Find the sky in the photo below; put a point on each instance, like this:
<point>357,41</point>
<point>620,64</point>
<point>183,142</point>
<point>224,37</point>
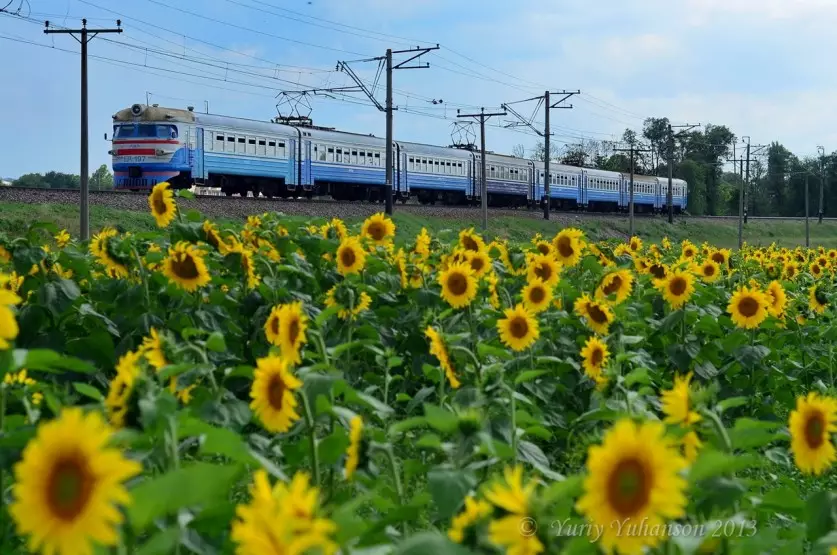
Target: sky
<point>761,67</point>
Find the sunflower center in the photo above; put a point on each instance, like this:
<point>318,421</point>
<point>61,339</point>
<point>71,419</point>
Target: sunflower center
<point>543,248</point>
<point>614,285</point>
<point>748,307</point>
<point>628,487</point>
<point>519,327</point>
<point>348,257</point>
<point>276,392</point>
<point>377,231</point>
<point>565,247</point>
<point>634,246</point>
<point>814,428</point>
<point>677,286</point>
<point>469,243</point>
<point>185,267</point>
<point>69,487</point>
<point>274,325</point>
<point>791,271</point>
<point>596,357</point>
<point>820,297</point>
<point>657,270</point>
<point>477,263</point>
<point>458,284</point>
<point>293,330</point>
<point>544,271</point>
<point>688,253</point>
<point>159,204</point>
<point>596,314</point>
<point>709,270</point>
<point>537,295</point>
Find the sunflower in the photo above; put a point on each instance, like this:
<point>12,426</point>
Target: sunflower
<point>817,301</point>
<point>470,240</point>
<point>62,238</point>
<point>493,295</point>
<point>474,511</point>
<point>567,246</point>
<point>480,262</point>
<point>777,299</point>
<point>68,484</point>
<point>616,286</point>
<point>102,249</point>
<point>519,329</point>
<point>597,315</point>
<point>677,288</point>
<point>5,255</point>
<point>676,403</point>
<point>687,250</point>
<point>8,324</point>
<point>658,270</point>
<point>633,475</point>
<point>292,323</point>
<point>350,256</point>
<point>690,445</point>
<point>344,313</point>
<point>811,426</point>
<point>247,262</point>
<point>439,350</point>
<point>595,356</point>
<point>815,269</point>
<point>635,244</point>
<point>282,520</point>
<point>459,287</point>
<point>186,267</point>
<point>748,307</point>
<point>791,270</point>
<point>271,325</point>
<point>152,349</point>
<point>213,237</point>
<point>353,451</point>
<point>161,202</point>
<point>11,282</point>
<point>378,228</point>
<point>272,392</point>
<point>545,268</point>
<point>545,247</point>
<point>537,296</point>
<point>422,247</point>
<point>709,271</point>
<point>122,386</point>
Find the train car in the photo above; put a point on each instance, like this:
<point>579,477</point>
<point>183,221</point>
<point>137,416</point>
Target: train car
<point>433,173</point>
<point>564,186</point>
<point>600,190</point>
<point>679,195</point>
<point>646,193</point>
<point>346,166</point>
<point>508,179</point>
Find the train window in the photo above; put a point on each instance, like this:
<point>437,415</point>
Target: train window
<point>241,140</point>
<point>231,139</point>
<point>331,155</point>
<point>261,142</point>
<point>353,159</point>
<point>339,157</point>
<point>261,150</point>
<point>322,153</point>
<point>273,143</point>
<point>252,141</point>
<point>219,137</point>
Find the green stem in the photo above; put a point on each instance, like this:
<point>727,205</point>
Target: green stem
<point>2,472</point>
<point>175,453</point>
<point>396,476</point>
<point>513,423</point>
<point>719,427</point>
<point>143,276</point>
<point>312,437</point>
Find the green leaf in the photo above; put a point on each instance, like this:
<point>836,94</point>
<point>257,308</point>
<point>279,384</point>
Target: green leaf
<point>748,433</point>
<point>731,403</point>
<point>407,424</point>
<point>528,376</point>
<point>425,543</point>
<point>783,500</point>
<point>714,463</point>
<point>184,193</point>
<point>535,456</point>
<point>631,339</point>
<point>50,361</point>
<point>440,419</point>
<point>88,391</point>
<point>820,514</point>
<point>215,342</point>
<point>333,446</point>
<point>429,441</point>
<point>217,441</point>
<point>570,487</point>
<point>161,543</point>
<point>485,350</point>
<point>449,488</point>
<point>195,485</point>
<point>706,370</point>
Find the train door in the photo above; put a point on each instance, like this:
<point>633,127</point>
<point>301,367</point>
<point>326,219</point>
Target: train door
<point>290,174</point>
<point>402,175</point>
<point>197,161</point>
<point>582,189</point>
<point>305,165</point>
<point>477,176</point>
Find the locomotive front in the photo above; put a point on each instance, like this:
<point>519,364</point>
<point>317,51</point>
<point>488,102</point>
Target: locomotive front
<point>151,145</point>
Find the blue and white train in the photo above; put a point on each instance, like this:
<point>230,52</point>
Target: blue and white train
<point>152,144</point>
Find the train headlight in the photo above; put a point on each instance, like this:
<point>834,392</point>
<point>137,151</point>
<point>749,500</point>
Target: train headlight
<point>137,109</point>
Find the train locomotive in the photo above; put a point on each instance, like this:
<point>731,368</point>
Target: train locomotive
<point>152,144</point>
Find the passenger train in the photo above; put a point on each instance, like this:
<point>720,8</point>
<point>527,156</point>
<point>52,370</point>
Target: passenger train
<point>152,144</point>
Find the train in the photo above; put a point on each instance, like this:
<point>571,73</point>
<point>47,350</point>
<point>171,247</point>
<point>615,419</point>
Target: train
<point>152,144</point>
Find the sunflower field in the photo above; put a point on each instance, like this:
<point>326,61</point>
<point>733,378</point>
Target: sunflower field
<point>268,388</point>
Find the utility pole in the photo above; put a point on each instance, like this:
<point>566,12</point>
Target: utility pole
<point>482,116</point>
<point>740,193</point>
<point>807,229</point>
<point>544,99</point>
<point>821,151</point>
<point>688,127</point>
<point>746,181</point>
<point>388,108</point>
<point>85,36</point>
<point>633,150</point>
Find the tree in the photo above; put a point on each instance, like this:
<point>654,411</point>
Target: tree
<point>519,151</point>
<point>538,153</point>
<point>30,180</point>
<point>101,178</point>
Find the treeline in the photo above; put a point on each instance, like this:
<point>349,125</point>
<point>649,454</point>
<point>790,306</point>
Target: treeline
<point>100,179</point>
<point>776,185</point>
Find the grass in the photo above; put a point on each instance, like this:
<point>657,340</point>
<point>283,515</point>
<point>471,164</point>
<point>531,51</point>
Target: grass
<point>724,233</point>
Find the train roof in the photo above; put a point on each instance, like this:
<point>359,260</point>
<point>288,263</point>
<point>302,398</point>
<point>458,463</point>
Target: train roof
<point>434,150</point>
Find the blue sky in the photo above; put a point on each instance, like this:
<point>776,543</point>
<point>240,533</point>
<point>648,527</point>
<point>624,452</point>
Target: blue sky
<point>762,67</point>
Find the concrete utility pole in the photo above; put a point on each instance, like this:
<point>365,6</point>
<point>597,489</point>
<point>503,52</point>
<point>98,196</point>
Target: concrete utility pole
<point>85,36</point>
<point>388,108</point>
<point>807,228</point>
<point>821,151</point>
<point>546,133</point>
<point>482,116</point>
<point>633,150</point>
<point>688,127</point>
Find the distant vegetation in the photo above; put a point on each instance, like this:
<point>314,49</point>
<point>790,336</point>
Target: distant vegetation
<point>100,179</point>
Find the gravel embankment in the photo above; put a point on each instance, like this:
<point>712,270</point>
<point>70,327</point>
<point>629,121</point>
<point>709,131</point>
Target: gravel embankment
<point>237,207</point>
